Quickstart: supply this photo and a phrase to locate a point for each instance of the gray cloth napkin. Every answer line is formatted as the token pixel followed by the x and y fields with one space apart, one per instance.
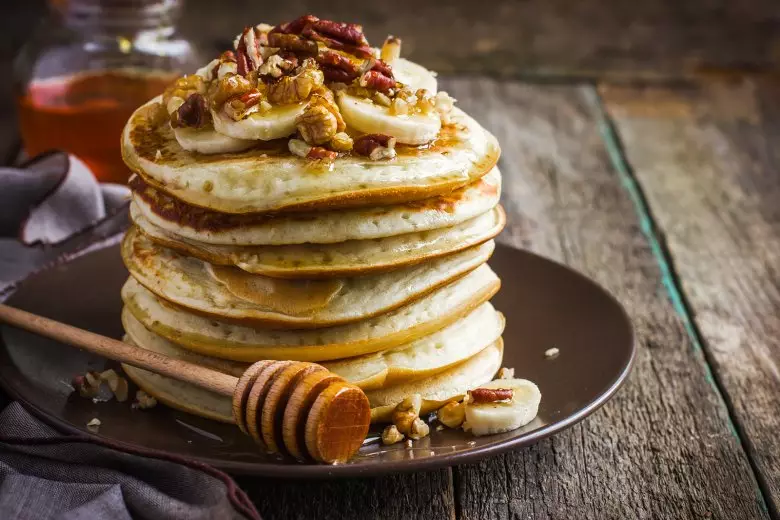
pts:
pixel 52 207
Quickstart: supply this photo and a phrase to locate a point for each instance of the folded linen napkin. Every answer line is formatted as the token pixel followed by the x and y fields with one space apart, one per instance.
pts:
pixel 52 208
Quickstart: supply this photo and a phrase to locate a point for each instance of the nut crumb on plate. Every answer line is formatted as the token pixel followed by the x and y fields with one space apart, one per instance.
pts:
pixel 391 435
pixel 94 424
pixel 551 352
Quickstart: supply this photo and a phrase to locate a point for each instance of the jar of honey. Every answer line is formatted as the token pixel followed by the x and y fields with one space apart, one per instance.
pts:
pixel 88 67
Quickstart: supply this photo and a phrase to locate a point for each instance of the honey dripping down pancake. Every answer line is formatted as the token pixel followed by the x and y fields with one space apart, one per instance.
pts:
pixel 213 337
pixel 323 227
pixel 280 303
pixel 344 259
pixel 412 361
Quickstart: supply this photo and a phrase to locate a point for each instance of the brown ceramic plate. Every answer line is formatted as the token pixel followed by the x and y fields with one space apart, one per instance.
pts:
pixel 546 305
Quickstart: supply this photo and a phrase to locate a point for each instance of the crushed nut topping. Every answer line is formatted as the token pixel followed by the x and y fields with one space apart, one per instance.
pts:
pixel 293 43
pixel 375 146
pixel 192 113
pixel 276 66
pixel 551 352
pixel 406 412
pixel 298 147
pixel 318 153
pixel 391 435
pixel 116 383
pixel 316 124
pixel 94 425
pixel 337 67
pixel 452 414
pixel 489 395
pixel 88 385
pixel 419 429
pixel 144 400
pixel 505 373
pixel 294 89
pixel 376 80
pixel 341 142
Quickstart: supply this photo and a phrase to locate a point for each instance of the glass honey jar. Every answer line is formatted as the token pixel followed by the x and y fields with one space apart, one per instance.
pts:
pixel 88 67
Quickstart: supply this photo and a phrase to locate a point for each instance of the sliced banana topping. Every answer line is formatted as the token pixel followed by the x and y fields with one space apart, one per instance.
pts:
pixel 414 76
pixel 276 123
pixel 517 404
pixel 365 116
pixel 209 141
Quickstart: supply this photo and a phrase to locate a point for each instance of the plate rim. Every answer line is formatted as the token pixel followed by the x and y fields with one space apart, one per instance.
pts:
pixel 291 470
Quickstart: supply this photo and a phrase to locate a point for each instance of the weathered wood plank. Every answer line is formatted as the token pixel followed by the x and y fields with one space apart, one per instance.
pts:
pixel 426 495
pixel 707 159
pixel 664 447
pixel 538 37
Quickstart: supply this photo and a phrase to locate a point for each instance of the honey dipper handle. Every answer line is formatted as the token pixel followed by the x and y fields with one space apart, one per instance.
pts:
pixel 120 351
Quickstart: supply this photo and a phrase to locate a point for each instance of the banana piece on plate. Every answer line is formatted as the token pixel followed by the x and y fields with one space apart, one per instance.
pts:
pixel 487 418
pixel 365 116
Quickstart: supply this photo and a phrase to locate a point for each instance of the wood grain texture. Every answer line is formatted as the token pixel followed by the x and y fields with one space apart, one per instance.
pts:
pixel 537 37
pixel 707 159
pixel 664 446
pixel 410 496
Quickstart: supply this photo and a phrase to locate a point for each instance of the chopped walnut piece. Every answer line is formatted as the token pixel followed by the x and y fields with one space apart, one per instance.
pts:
pixel 276 67
pixel 341 142
pixel 375 146
pixel 399 107
pixel 183 87
pixel 116 383
pixel 406 412
pixel 391 49
pixel 316 124
pixel 419 429
pixel 443 104
pixel 192 113
pixel 88 385
pixel 506 373
pixel 391 435
pixel 489 395
pixel 94 425
pixel 144 400
pixel 381 99
pixel 229 87
pixel 293 89
pixel 551 352
pixel 452 414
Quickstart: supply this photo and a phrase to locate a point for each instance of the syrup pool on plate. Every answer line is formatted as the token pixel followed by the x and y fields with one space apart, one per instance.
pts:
pixel 84 114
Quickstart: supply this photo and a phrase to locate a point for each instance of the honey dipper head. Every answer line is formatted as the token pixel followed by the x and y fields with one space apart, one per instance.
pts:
pixel 301 409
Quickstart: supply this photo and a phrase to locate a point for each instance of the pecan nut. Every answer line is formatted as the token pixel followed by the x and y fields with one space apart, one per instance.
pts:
pixel 337 67
pixel 318 153
pixel 295 26
pixel 361 51
pixel 293 43
pixel 192 113
pixel 248 55
pixel 375 146
pixel 490 395
pixel 378 81
pixel 345 32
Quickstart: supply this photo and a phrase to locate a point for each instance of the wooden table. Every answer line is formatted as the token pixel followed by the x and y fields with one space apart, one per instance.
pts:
pixel 662 182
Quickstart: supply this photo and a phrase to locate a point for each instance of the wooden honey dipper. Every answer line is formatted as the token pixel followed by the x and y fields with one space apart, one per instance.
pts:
pixel 290 407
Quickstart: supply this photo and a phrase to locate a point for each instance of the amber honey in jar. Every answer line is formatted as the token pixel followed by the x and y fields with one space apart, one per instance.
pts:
pixel 88 67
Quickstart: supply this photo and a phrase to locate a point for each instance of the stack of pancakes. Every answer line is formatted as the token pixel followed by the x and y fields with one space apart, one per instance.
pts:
pixel 375 269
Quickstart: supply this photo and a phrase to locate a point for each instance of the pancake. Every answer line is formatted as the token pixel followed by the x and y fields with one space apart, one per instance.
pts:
pixel 352 258
pixel 233 294
pixel 426 356
pixel 415 360
pixel 328 227
pixel 436 391
pixel 268 177
pixel 144 338
pixel 241 343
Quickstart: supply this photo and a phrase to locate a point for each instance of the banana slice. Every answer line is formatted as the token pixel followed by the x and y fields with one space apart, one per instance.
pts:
pixel 504 416
pixel 413 75
pixel 209 141
pixel 365 116
pixel 278 122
